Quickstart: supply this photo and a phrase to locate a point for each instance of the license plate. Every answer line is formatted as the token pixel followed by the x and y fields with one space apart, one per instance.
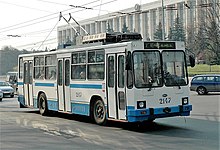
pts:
pixel 165 100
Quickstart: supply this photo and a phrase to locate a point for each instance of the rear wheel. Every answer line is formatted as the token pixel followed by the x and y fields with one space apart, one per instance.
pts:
pixel 43 104
pixel 201 90
pixel 99 112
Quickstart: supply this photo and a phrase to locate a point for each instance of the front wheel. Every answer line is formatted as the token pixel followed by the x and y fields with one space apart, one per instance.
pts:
pixel 99 113
pixel 43 104
pixel 201 90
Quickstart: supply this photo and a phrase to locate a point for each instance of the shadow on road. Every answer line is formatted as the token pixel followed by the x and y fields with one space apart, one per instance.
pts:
pixel 144 127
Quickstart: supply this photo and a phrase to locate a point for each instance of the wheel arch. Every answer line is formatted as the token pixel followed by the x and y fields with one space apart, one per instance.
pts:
pixel 200 87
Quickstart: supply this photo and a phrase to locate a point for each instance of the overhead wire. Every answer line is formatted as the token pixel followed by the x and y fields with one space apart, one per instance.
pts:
pixel 52 2
pixel 34 44
pixel 52 17
pixel 48 34
pixel 40 18
pixel 62 3
pixel 24 6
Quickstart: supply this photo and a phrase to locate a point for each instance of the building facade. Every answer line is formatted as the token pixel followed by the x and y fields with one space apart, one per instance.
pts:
pixel 143 19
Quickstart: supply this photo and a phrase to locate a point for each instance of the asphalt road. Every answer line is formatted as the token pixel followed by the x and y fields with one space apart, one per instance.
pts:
pixel 26 129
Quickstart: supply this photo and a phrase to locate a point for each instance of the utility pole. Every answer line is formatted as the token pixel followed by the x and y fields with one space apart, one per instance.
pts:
pixel 163 22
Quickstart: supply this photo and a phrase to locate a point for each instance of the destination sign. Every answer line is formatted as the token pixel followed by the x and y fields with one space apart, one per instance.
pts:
pixel 159 45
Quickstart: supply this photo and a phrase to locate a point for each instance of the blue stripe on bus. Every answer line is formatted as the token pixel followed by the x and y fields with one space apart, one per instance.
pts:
pixel 45 84
pixel 52 105
pixel 35 102
pixel 135 115
pixel 20 83
pixel 86 86
pixel 79 108
pixel 130 107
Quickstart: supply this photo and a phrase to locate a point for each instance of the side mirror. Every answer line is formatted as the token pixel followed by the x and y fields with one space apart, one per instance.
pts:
pixel 192 61
pixel 128 61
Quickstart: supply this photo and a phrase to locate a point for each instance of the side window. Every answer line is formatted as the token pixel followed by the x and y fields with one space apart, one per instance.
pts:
pixel 78 66
pixel 111 71
pixel 130 76
pixel 217 79
pixel 30 67
pixel 91 57
pixel 121 69
pixel 199 79
pixel 26 79
pixel 95 67
pixel 39 69
pixel 67 72
pixel 60 72
pixel 50 67
pixel 210 79
pixel 21 68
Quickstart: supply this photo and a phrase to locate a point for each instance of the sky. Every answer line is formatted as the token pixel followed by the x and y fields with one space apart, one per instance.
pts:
pixel 26 24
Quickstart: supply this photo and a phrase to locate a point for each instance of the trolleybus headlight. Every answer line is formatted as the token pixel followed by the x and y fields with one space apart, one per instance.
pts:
pixel 185 101
pixel 141 104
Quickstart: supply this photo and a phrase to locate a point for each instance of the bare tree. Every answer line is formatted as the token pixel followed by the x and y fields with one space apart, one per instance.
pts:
pixel 208 35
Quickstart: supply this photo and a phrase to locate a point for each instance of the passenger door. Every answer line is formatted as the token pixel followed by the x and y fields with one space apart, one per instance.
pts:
pixel 28 82
pixel 63 83
pixel 116 86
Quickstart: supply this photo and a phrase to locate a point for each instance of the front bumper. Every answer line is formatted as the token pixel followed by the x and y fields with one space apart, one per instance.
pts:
pixel 139 115
pixel 8 94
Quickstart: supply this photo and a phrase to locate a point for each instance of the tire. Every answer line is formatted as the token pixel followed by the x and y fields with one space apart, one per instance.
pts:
pixel 43 104
pixel 201 90
pixel 99 113
pixel 0 99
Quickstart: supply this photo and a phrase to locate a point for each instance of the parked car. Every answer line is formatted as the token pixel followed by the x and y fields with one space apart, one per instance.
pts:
pixel 203 84
pixel 6 89
pixel 1 95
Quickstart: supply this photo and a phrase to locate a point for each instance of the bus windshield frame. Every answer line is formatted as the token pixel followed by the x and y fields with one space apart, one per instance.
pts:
pixel 155 69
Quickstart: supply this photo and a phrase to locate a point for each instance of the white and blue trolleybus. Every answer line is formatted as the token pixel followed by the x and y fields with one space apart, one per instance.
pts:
pixel 109 77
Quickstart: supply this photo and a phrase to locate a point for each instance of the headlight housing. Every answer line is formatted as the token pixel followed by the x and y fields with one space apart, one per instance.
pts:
pixel 185 101
pixel 141 104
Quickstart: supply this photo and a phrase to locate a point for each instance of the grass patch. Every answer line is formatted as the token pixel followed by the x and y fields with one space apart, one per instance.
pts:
pixel 204 69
